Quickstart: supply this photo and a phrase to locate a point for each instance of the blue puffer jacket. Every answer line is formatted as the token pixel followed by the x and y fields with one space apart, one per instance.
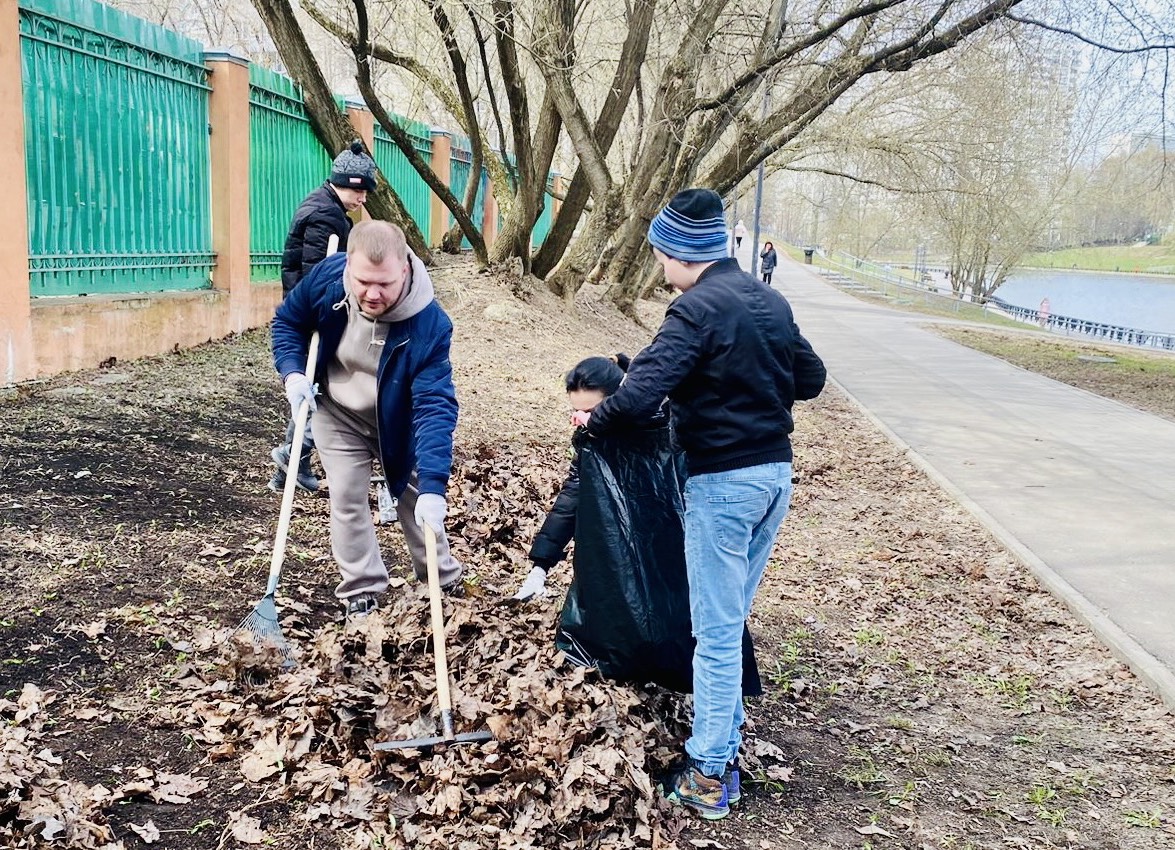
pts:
pixel 417 403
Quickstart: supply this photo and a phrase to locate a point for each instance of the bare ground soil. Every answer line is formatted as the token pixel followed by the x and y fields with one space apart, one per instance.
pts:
pixel 924 692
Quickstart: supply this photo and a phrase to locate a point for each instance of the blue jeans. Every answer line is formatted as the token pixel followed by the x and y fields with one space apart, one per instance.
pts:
pixel 731 519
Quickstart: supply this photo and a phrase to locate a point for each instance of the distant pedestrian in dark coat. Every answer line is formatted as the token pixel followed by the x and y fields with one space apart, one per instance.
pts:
pixel 770 260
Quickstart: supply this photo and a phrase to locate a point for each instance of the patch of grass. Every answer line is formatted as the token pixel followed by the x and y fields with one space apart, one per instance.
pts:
pixel 896 721
pixel 1040 797
pixel 1015 692
pixel 1040 794
pixel 907 794
pixel 1144 819
pixel 1053 817
pixel 868 637
pixel 1079 783
pixel 937 758
pixel 862 771
pixel 1147 259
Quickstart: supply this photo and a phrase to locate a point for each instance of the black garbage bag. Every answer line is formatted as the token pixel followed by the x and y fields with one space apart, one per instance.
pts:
pixel 627 611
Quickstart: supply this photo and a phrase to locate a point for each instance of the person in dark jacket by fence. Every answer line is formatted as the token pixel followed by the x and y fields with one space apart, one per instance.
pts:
pixel 387 393
pixel 770 261
pixel 733 362
pixel 321 215
pixel 590 382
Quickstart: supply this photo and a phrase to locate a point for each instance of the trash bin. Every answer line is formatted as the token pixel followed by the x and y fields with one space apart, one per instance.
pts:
pixel 808 252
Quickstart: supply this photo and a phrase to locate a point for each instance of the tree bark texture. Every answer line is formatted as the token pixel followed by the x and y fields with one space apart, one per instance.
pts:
pixel 632 58
pixel 332 129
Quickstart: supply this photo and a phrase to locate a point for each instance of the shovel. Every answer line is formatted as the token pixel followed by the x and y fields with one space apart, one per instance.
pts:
pixel 444 699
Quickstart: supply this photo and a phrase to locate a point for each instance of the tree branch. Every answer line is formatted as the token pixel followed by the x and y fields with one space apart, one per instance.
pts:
pixel 485 67
pixel 401 138
pixel 384 53
pixel 330 127
pixel 1100 45
pixel 766 63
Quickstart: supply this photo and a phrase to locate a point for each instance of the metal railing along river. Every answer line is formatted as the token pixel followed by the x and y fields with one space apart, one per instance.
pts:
pixel 863 275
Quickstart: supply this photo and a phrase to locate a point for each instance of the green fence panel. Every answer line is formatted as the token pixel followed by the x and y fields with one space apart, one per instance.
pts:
pixel 460 170
pixel 286 162
pixel 116 152
pixel 409 185
pixel 542 225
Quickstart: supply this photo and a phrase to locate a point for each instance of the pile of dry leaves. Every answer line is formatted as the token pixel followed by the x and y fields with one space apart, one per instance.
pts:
pixel 572 764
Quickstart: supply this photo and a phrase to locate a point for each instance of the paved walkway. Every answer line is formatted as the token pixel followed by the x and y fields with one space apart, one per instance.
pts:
pixel 1080 487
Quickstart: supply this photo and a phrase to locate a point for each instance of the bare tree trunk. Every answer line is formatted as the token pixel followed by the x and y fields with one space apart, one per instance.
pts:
pixel 632 59
pixel 440 188
pixel 585 253
pixel 625 272
pixel 330 127
pixel 514 239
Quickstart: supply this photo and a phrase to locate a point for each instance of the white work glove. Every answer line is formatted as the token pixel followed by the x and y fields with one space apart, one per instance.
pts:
pixel 534 587
pixel 430 511
pixel 298 390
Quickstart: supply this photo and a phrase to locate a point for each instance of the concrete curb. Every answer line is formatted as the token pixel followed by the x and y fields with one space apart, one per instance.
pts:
pixel 1126 649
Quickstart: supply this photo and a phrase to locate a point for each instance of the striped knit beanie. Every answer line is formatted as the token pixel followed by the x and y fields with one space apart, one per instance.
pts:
pixel 354 169
pixel 692 228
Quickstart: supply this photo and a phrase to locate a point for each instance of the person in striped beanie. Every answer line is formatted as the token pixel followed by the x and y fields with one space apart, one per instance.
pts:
pixel 733 362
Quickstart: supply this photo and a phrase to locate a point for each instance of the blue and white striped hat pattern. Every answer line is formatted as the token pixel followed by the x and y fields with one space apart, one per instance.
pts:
pixel 692 228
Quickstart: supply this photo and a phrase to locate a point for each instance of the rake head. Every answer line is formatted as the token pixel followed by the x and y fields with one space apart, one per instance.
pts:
pixel 262 625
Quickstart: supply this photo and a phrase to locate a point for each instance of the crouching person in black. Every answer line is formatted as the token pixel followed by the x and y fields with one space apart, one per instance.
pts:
pixel 590 382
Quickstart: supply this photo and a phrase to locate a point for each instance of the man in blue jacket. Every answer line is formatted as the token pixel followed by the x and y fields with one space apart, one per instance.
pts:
pixel 386 392
pixel 321 215
pixel 732 361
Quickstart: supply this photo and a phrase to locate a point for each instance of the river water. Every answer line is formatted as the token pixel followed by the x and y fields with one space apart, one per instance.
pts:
pixel 1145 302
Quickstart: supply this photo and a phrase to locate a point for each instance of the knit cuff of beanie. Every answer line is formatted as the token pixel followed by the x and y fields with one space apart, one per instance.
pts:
pixel 687 239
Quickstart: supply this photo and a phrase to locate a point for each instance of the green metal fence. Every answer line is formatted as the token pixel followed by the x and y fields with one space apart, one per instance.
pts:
pixel 286 163
pixel 542 225
pixel 116 136
pixel 409 185
pixel 460 169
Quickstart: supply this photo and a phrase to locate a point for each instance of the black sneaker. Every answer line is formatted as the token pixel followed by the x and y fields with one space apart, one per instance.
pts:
pixel 361 605
pixel 307 480
pixel 455 588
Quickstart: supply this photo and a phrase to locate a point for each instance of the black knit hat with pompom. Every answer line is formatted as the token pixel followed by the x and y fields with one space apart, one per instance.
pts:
pixel 354 169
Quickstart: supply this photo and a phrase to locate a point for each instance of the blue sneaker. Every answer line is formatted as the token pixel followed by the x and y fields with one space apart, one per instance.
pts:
pixel 730 780
pixel 688 786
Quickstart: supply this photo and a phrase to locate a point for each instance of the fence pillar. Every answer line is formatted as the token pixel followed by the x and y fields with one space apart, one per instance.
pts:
pixel 364 124
pixel 557 201
pixel 489 226
pixel 442 154
pixel 228 114
pixel 16 332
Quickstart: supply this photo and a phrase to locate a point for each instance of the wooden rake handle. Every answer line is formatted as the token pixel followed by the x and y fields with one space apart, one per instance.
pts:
pixel 444 696
pixel 300 417
pixel 287 509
